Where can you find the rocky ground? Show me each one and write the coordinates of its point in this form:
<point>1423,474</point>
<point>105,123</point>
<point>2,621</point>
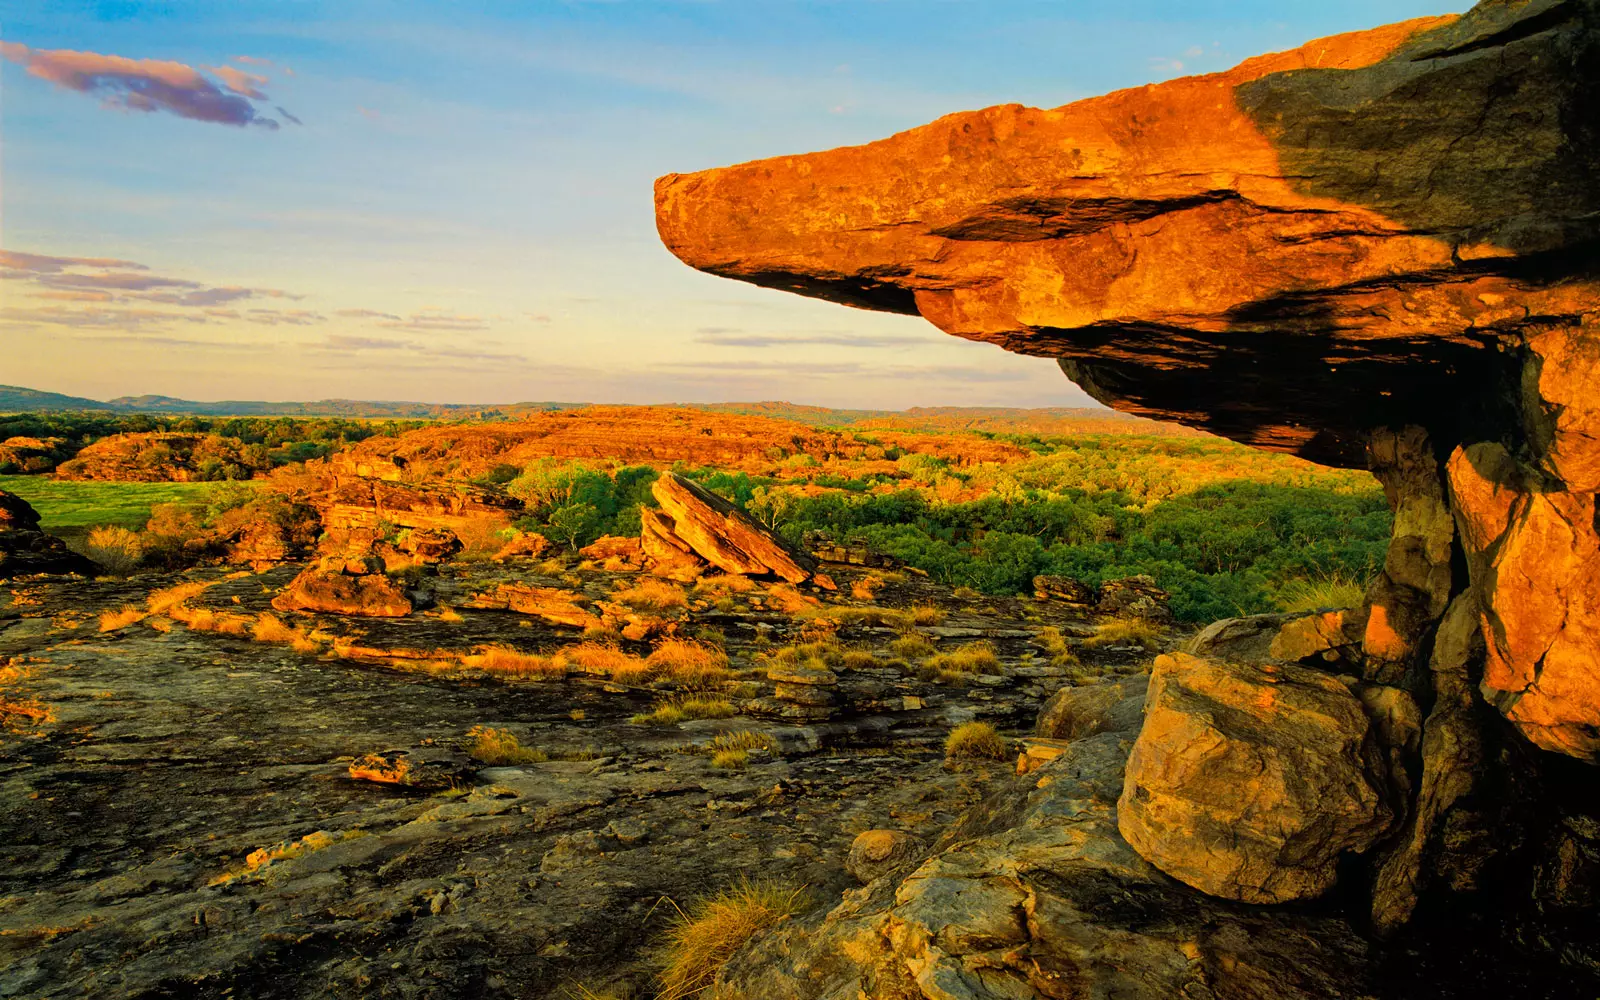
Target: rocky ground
<point>180,818</point>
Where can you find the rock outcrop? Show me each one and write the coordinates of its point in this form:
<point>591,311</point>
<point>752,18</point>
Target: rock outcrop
<point>338,586</point>
<point>701,523</point>
<point>165,457</point>
<point>1251,782</point>
<point>1036,896</point>
<point>1376,248</point>
<point>26,550</point>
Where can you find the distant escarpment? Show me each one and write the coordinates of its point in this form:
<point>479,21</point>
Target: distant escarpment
<point>1377,249</point>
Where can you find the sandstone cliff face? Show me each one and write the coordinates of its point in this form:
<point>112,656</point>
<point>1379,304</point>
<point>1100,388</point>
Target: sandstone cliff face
<point>1375,249</point>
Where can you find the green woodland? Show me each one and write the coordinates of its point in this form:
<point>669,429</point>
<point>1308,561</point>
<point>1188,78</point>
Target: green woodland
<point>1222,548</point>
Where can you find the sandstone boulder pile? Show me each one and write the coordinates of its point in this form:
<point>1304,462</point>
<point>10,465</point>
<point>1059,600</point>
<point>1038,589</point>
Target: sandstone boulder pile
<point>337,585</point>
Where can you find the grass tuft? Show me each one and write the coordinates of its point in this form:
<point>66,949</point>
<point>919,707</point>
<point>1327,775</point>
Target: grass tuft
<point>110,621</point>
<point>689,662</point>
<point>975,740</point>
<point>732,760</point>
<point>500,748</point>
<point>508,662</point>
<point>1316,594</point>
<point>653,594</point>
<point>1125,632</point>
<point>702,940</point>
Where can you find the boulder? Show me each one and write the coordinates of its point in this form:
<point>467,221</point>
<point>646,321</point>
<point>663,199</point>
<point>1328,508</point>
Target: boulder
<point>556,605</point>
<point>1241,640</point>
<point>617,553</point>
<point>26,551</point>
<point>1075,713</point>
<point>1033,894</point>
<point>663,551</point>
<point>528,544</point>
<point>332,589</point>
<point>1061,588</point>
<point>1134,597</point>
<point>1375,249</point>
<point>1251,782</point>
<point>877,853</point>
<point>726,536</point>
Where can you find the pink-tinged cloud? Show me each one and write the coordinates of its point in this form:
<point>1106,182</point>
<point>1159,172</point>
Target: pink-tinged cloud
<point>39,263</point>
<point>252,60</point>
<point>243,83</point>
<point>146,84</point>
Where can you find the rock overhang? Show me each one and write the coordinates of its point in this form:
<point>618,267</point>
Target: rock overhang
<point>1356,233</point>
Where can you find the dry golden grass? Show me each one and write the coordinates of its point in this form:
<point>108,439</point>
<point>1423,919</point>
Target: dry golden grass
<point>969,658</point>
<point>607,660</point>
<point>671,711</point>
<point>858,659</point>
<point>789,600</point>
<point>1318,594</point>
<point>977,740</point>
<point>732,760</point>
<point>500,748</point>
<point>653,595</point>
<point>701,940</point>
<point>481,537</point>
<point>1054,643</point>
<point>448,614</point>
<point>117,550</point>
<point>505,661</point>
<point>927,614</point>
<point>849,614</point>
<point>110,621</point>
<point>163,601</point>
<point>866,588</point>
<point>270,628</point>
<point>256,863</point>
<point>688,662</point>
<point>1126,632</point>
<point>743,739</point>
<point>723,584</point>
<point>912,647</point>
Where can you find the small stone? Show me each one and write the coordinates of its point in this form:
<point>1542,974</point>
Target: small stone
<point>877,853</point>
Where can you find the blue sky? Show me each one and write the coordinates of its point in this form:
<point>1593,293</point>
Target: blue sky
<point>464,212</point>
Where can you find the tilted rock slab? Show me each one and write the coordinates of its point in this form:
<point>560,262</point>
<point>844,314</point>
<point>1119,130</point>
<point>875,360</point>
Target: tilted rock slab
<point>724,535</point>
<point>1249,781</point>
<point>1377,248</point>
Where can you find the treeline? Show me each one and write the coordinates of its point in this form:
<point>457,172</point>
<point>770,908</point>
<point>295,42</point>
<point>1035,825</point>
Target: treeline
<point>267,441</point>
<point>1225,548</point>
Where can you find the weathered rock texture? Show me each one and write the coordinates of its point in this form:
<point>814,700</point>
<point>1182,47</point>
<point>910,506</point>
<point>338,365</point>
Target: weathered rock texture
<point>1250,782</point>
<point>698,522</point>
<point>1377,248</point>
<point>26,550</point>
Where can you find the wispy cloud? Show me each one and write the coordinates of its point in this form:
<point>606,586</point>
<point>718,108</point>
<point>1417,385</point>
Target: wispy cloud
<point>106,279</point>
<point>722,336</point>
<point>150,85</point>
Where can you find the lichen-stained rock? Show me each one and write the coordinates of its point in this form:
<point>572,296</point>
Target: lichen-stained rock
<point>330,588</point>
<point>724,535</point>
<point>876,853</point>
<point>1250,782</point>
<point>1075,713</point>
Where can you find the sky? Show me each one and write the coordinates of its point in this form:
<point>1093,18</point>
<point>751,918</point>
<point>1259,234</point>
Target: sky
<point>451,202</point>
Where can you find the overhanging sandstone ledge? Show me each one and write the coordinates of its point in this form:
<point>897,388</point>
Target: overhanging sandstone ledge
<point>1380,248</point>
<point>1361,232</point>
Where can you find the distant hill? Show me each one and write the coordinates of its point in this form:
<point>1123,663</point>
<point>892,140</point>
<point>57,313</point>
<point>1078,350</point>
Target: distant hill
<point>16,399</point>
